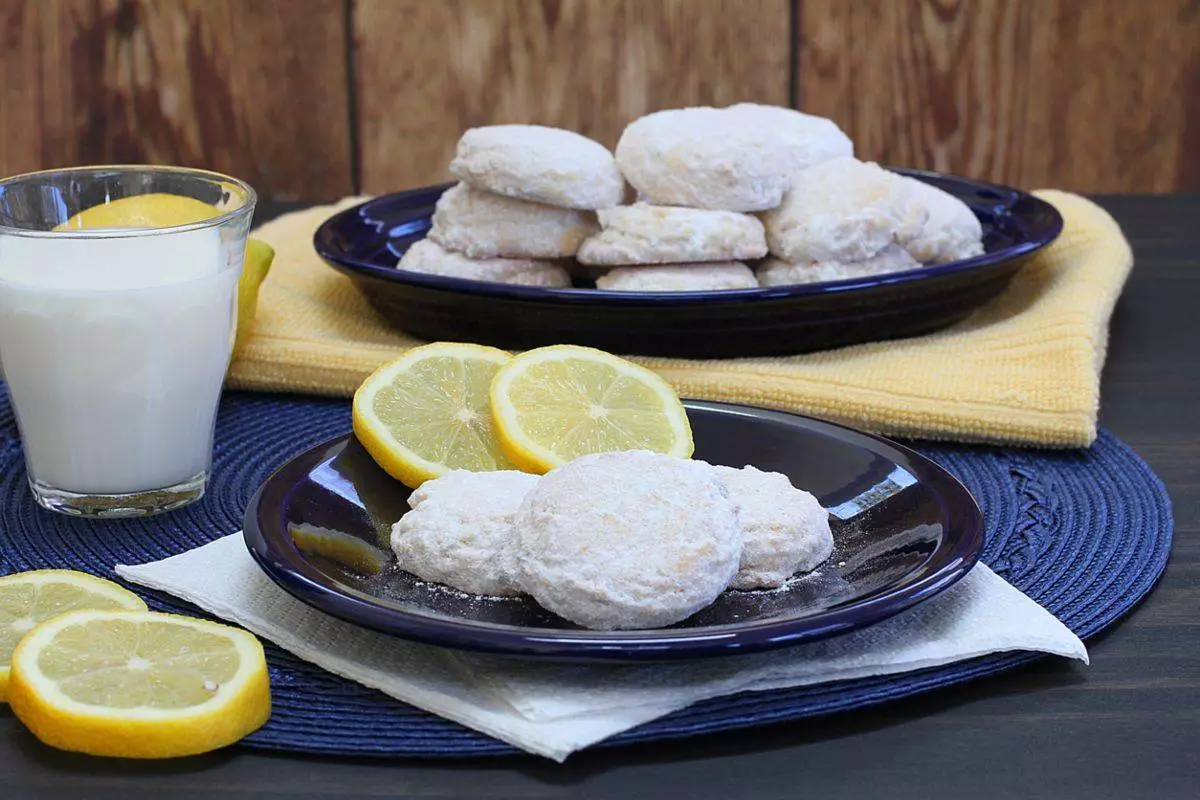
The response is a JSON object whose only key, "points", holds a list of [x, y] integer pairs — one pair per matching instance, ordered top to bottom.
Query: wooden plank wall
{"points": [[255, 89], [315, 99]]}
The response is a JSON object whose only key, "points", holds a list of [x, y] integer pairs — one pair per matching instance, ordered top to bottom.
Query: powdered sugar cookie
{"points": [[807, 139], [704, 158], [539, 164], [843, 210], [486, 225], [952, 231], [647, 234], [431, 258], [777, 272], [698, 277], [785, 529], [460, 531], [628, 540]]}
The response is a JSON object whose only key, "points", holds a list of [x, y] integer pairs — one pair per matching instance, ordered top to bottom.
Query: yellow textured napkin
{"points": [[1023, 369]]}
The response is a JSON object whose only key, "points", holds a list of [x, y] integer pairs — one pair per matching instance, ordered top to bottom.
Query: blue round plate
{"points": [[366, 241], [904, 530]]}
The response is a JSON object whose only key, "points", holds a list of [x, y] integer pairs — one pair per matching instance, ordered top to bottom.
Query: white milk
{"points": [[114, 350]]}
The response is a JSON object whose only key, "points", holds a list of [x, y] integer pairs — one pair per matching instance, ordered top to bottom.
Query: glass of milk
{"points": [[114, 342]]}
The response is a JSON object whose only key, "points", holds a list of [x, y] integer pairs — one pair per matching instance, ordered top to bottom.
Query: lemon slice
{"points": [[157, 210], [256, 265], [554, 404], [426, 413], [344, 548], [30, 598], [137, 684]]}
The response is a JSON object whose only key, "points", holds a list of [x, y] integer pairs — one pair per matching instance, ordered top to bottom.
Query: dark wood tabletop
{"points": [[1128, 726]]}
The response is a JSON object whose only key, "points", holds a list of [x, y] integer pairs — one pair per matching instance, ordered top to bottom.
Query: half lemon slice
{"points": [[156, 210], [554, 404], [426, 413], [28, 599], [137, 684]]}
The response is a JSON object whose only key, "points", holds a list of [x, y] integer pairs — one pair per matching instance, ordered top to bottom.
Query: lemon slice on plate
{"points": [[156, 210], [554, 404], [426, 413], [347, 550], [28, 599], [137, 684]]}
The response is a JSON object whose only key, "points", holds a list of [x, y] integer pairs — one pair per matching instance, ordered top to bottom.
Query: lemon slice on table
{"points": [[156, 210], [554, 404], [426, 413], [28, 599], [138, 684]]}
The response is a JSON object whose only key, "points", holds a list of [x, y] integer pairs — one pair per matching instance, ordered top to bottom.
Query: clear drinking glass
{"points": [[114, 342]]}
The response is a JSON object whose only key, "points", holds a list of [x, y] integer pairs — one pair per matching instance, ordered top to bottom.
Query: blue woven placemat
{"points": [[1084, 533]]}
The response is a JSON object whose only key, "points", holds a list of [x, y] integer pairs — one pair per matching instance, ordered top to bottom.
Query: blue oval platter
{"points": [[365, 242], [904, 530]]}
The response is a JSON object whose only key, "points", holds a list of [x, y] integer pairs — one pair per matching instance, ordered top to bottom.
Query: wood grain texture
{"points": [[426, 71], [255, 89], [1088, 95], [1094, 96]]}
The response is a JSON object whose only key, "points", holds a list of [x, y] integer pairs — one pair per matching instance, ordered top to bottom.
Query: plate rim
{"points": [[323, 242], [290, 571]]}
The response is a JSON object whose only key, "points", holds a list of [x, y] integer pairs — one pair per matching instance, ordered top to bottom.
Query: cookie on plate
{"points": [[807, 139], [704, 157], [539, 164], [843, 210], [483, 224], [951, 233], [648, 234], [431, 258], [777, 272], [697, 277], [784, 529], [460, 531], [628, 540]]}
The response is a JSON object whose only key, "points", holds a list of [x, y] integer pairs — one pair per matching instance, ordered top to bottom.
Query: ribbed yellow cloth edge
{"points": [[1024, 369]]}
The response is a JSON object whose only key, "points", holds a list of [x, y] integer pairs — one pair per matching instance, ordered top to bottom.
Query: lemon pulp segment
{"points": [[124, 664]]}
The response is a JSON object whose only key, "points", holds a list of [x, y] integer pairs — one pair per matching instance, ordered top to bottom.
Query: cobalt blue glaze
{"points": [[366, 241], [904, 530]]}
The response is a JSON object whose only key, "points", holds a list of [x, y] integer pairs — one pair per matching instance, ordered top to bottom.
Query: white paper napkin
{"points": [[552, 709]]}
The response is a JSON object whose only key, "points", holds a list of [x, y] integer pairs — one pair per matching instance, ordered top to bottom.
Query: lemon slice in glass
{"points": [[155, 210], [163, 210], [554, 404], [426, 413], [28, 599], [137, 684]]}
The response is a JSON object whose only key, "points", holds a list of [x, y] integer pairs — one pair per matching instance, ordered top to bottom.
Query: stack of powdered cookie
{"points": [[716, 188], [527, 199]]}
